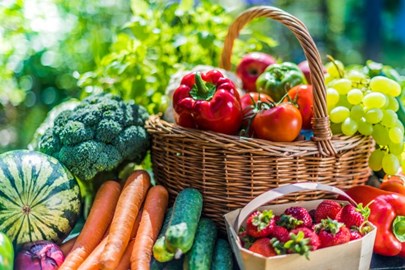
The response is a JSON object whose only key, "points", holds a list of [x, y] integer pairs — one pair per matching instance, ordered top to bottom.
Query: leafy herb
{"points": [[161, 39]]}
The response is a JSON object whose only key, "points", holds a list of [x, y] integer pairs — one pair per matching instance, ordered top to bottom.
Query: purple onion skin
{"points": [[39, 255]]}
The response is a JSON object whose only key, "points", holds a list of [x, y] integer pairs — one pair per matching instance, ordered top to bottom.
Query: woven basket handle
{"points": [[320, 124], [280, 192]]}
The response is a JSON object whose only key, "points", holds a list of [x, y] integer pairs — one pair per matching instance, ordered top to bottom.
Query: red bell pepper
{"points": [[208, 101], [387, 213]]}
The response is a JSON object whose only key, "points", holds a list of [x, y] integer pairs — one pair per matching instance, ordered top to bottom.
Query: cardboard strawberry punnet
{"points": [[355, 254]]}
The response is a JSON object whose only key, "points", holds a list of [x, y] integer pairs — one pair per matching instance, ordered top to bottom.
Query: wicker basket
{"points": [[230, 171]]}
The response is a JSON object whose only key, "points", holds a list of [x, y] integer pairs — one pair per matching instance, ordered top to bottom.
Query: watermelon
{"points": [[39, 198]]}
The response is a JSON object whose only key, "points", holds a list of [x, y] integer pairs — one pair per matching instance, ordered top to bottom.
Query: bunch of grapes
{"points": [[359, 104]]}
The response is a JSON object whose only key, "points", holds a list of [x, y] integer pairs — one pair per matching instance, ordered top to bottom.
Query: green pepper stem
{"points": [[202, 89], [398, 228]]}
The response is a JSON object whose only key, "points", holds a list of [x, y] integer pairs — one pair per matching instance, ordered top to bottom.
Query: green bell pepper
{"points": [[277, 79], [6, 253]]}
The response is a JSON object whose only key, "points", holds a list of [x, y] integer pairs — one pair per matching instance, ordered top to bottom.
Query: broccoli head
{"points": [[98, 135]]}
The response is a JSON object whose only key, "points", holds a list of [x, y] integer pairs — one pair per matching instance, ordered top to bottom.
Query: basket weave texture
{"points": [[230, 171]]}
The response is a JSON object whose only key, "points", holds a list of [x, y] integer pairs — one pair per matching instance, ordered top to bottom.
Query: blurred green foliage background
{"points": [[51, 50]]}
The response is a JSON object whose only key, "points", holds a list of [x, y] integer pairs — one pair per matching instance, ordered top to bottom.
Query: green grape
{"points": [[333, 71], [356, 77], [328, 78], [385, 85], [343, 86], [355, 96], [332, 97], [374, 100], [344, 102], [392, 103], [356, 112], [339, 114], [374, 116], [389, 118], [399, 125], [349, 127], [364, 127], [336, 128], [380, 135], [396, 135], [396, 148], [375, 160], [390, 164], [403, 164]]}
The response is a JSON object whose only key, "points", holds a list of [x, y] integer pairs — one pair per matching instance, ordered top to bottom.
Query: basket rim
{"points": [[158, 126]]}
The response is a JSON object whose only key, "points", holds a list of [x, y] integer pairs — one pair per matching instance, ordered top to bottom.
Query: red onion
{"points": [[39, 255]]}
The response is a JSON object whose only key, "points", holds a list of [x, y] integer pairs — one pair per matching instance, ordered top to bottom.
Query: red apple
{"points": [[250, 68]]}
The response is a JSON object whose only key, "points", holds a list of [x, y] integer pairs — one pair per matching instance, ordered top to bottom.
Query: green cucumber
{"points": [[183, 224], [160, 252], [200, 255], [222, 258]]}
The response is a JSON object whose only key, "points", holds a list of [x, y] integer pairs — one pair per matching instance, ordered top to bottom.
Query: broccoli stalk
{"points": [[100, 134]]}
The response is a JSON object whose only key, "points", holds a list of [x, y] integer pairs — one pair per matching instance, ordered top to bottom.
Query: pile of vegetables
{"points": [[124, 230], [189, 241]]}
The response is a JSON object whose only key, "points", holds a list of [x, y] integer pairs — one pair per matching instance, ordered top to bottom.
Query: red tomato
{"points": [[302, 95], [248, 99], [281, 123]]}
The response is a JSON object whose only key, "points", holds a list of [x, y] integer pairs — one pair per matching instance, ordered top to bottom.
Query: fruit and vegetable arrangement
{"points": [[87, 162]]}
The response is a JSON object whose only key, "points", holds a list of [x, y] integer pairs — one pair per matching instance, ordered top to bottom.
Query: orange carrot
{"points": [[129, 203], [100, 216], [151, 222], [66, 247], [126, 258], [93, 260]]}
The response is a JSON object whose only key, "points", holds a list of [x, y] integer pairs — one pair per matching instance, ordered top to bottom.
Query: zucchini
{"points": [[183, 224], [160, 252], [200, 255], [222, 258]]}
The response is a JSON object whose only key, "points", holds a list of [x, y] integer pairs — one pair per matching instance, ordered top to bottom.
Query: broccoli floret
{"points": [[100, 134]]}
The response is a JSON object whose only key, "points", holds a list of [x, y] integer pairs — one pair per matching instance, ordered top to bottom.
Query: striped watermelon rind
{"points": [[39, 198]]}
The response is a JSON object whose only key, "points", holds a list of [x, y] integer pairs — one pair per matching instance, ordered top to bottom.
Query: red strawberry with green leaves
{"points": [[327, 209], [353, 216], [294, 217], [260, 223], [359, 232], [281, 233], [332, 233], [355, 234], [245, 239], [314, 242], [298, 243], [263, 246]]}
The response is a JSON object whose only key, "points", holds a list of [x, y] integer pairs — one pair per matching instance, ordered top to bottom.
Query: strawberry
{"points": [[327, 209], [353, 216], [294, 217], [260, 224], [281, 233], [332, 233], [355, 234], [311, 235], [245, 239], [298, 243], [263, 247]]}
